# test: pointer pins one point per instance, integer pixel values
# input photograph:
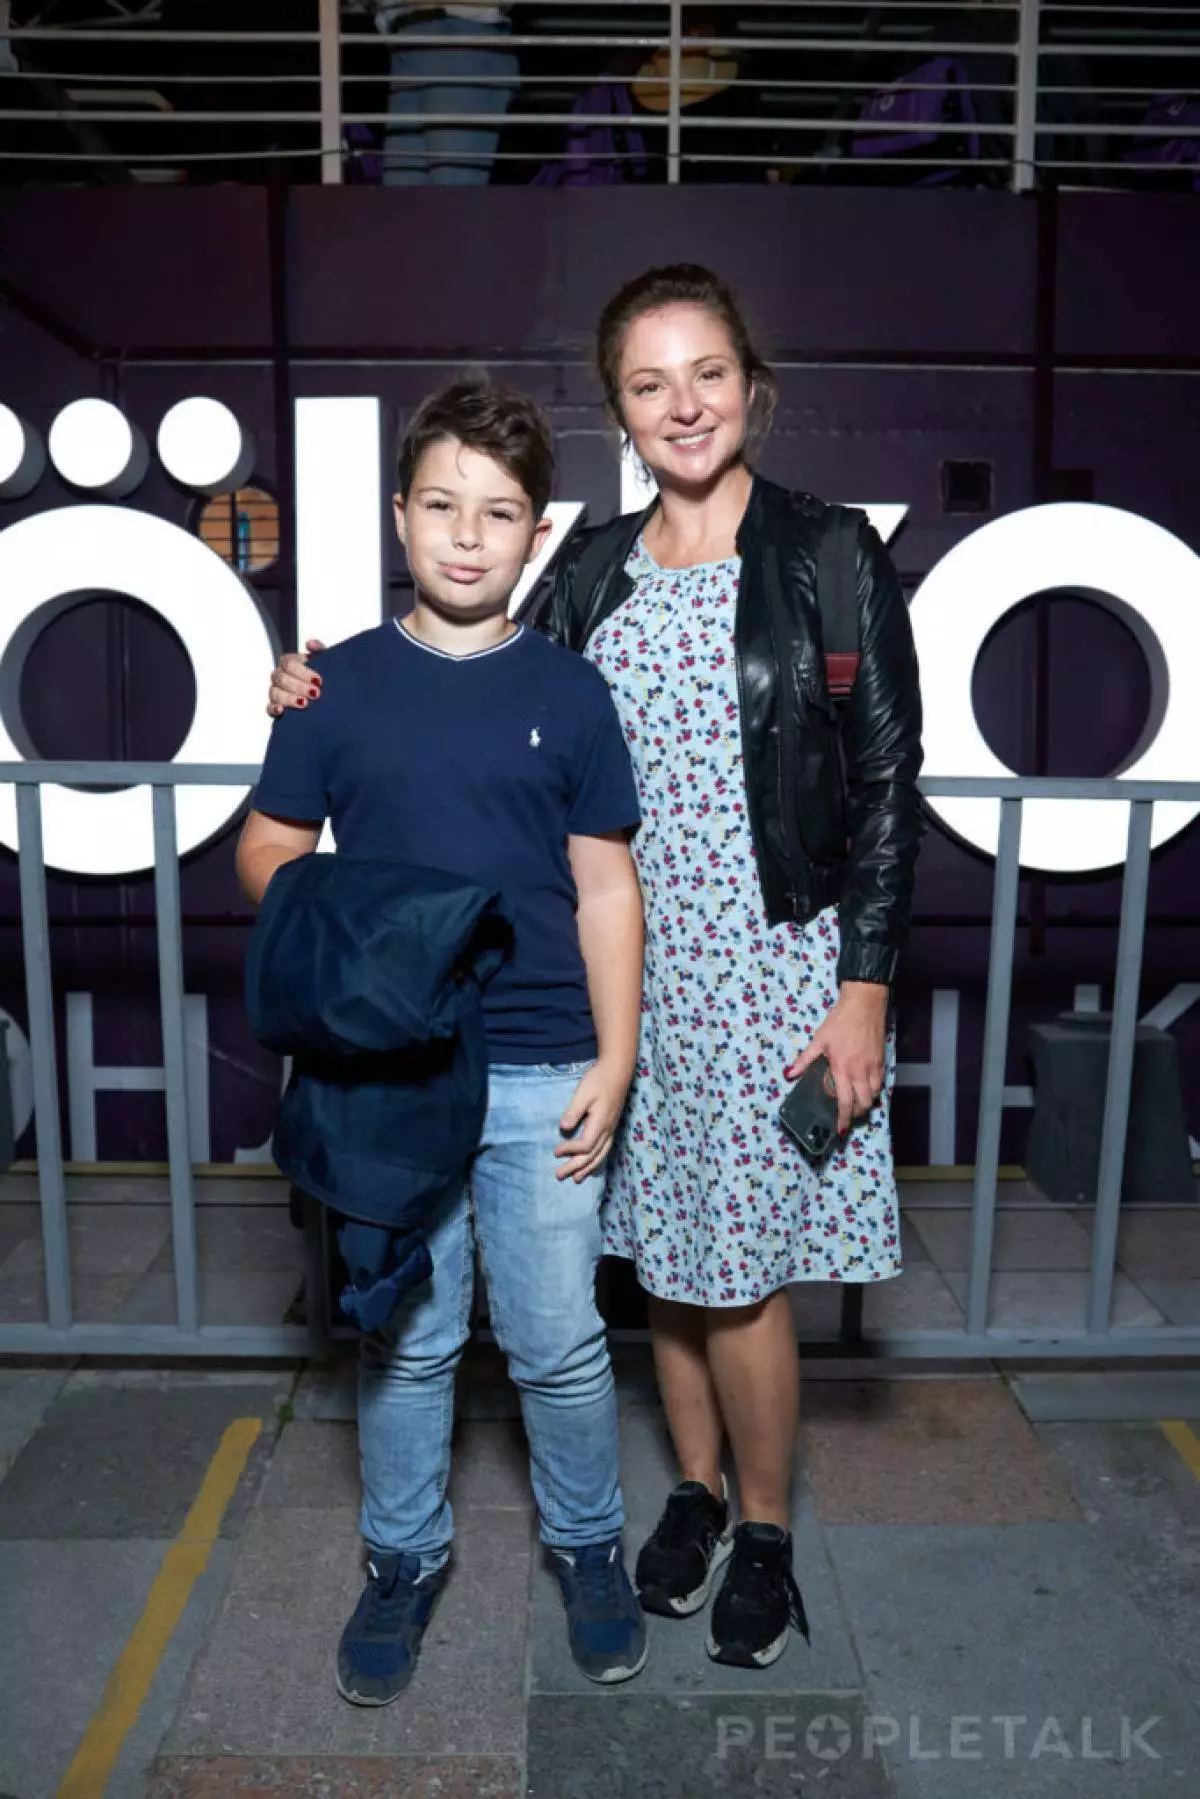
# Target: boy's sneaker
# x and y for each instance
(605, 1625)
(689, 1544)
(759, 1601)
(380, 1645)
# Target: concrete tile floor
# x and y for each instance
(959, 1564)
(954, 1555)
(962, 1627)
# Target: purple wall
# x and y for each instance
(910, 329)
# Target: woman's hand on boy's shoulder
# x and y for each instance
(293, 683)
(590, 1121)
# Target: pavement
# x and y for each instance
(1002, 1577)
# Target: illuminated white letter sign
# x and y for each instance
(46, 562)
(1139, 571)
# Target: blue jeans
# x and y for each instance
(539, 1241)
(447, 155)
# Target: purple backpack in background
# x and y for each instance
(935, 96)
(593, 156)
(1167, 112)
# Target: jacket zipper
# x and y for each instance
(786, 701)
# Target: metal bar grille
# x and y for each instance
(188, 1336)
(818, 90)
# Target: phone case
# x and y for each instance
(809, 1112)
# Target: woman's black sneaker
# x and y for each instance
(759, 1601)
(689, 1543)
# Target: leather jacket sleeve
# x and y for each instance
(881, 743)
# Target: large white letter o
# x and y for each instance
(1138, 570)
(79, 549)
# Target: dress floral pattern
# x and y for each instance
(707, 1194)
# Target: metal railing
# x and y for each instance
(999, 92)
(60, 1334)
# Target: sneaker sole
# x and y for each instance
(613, 1676)
(733, 1656)
(663, 1605)
(361, 1699)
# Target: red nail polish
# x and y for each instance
(302, 702)
(314, 693)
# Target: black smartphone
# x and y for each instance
(809, 1112)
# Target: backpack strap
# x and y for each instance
(837, 597)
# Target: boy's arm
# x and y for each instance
(610, 937)
(265, 844)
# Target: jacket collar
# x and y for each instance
(764, 512)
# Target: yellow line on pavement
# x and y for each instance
(1184, 1439)
(184, 1563)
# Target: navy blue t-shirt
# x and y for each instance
(479, 765)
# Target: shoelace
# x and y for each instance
(390, 1599)
(596, 1570)
(759, 1571)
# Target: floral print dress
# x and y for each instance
(707, 1194)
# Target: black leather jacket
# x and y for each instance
(835, 813)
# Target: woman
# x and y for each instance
(776, 858)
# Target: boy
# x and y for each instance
(459, 740)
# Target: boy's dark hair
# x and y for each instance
(496, 421)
